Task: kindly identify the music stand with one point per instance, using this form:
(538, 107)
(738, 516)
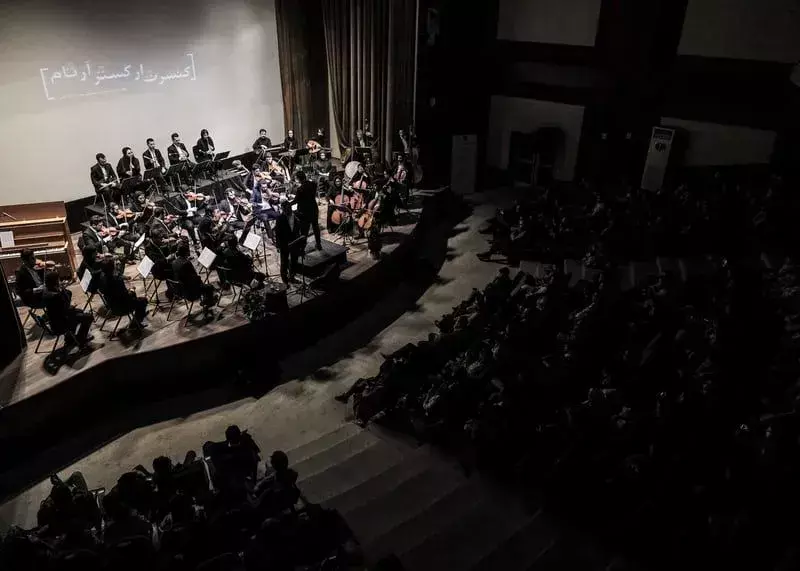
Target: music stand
(302, 241)
(129, 185)
(174, 171)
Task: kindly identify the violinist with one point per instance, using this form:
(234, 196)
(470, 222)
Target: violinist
(63, 315)
(233, 208)
(239, 265)
(93, 235)
(210, 229)
(144, 211)
(91, 261)
(117, 296)
(262, 201)
(122, 220)
(128, 166)
(204, 147)
(277, 173)
(178, 205)
(29, 280)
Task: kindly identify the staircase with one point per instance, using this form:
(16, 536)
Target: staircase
(412, 502)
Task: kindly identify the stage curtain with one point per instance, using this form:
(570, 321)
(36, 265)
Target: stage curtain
(301, 53)
(370, 53)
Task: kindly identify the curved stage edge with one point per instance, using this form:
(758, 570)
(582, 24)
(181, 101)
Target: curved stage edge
(150, 375)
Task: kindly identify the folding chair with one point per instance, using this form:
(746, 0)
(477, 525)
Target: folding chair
(178, 295)
(43, 321)
(238, 288)
(115, 313)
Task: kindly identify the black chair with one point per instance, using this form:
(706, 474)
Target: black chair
(56, 330)
(238, 288)
(115, 313)
(178, 294)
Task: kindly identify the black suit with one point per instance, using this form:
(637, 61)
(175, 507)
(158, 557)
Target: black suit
(66, 318)
(118, 297)
(126, 164)
(262, 141)
(26, 281)
(177, 204)
(307, 209)
(90, 237)
(193, 286)
(205, 148)
(101, 174)
(174, 154)
(290, 143)
(286, 234)
(153, 159)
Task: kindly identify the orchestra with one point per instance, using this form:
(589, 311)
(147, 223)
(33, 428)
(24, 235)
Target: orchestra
(265, 185)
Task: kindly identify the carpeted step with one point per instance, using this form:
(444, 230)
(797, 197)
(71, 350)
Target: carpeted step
(333, 450)
(349, 468)
(523, 548)
(322, 442)
(470, 539)
(429, 518)
(411, 464)
(411, 496)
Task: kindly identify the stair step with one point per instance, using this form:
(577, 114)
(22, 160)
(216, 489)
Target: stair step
(337, 452)
(523, 548)
(470, 539)
(322, 442)
(407, 499)
(428, 520)
(410, 465)
(346, 474)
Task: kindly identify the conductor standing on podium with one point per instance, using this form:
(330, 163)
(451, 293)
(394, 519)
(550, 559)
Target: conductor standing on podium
(307, 207)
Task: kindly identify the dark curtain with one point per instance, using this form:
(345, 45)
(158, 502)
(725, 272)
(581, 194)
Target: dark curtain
(370, 55)
(301, 52)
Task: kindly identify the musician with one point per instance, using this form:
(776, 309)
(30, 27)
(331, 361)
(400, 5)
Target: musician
(121, 220)
(118, 297)
(263, 142)
(208, 229)
(290, 143)
(205, 147)
(320, 137)
(277, 172)
(103, 177)
(262, 200)
(159, 247)
(153, 158)
(307, 207)
(144, 211)
(91, 234)
(231, 208)
(128, 165)
(368, 137)
(63, 315)
(405, 142)
(29, 281)
(239, 264)
(177, 152)
(193, 287)
(399, 180)
(362, 140)
(90, 261)
(361, 180)
(287, 231)
(178, 205)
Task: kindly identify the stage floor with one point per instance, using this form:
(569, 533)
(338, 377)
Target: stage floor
(26, 376)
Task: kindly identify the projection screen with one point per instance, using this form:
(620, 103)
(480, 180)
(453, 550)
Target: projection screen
(83, 77)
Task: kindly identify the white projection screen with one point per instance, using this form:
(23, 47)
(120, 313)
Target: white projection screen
(83, 77)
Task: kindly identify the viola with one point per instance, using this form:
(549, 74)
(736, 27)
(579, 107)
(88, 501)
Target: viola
(124, 214)
(195, 196)
(45, 265)
(108, 232)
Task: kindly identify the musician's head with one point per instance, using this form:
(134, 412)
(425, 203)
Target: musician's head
(300, 177)
(268, 157)
(140, 197)
(320, 131)
(127, 152)
(402, 133)
(51, 281)
(230, 193)
(113, 206)
(338, 181)
(96, 221)
(204, 134)
(290, 134)
(262, 132)
(323, 155)
(183, 249)
(176, 138)
(359, 133)
(27, 257)
(151, 144)
(360, 167)
(101, 158)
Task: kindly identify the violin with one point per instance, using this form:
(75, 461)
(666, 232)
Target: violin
(45, 265)
(124, 214)
(108, 232)
(196, 196)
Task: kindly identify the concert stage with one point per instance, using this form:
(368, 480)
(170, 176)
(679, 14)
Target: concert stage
(172, 359)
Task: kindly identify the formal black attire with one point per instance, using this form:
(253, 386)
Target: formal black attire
(126, 164)
(158, 249)
(179, 205)
(208, 233)
(193, 286)
(65, 317)
(205, 149)
(153, 158)
(231, 211)
(101, 174)
(262, 141)
(125, 240)
(118, 298)
(91, 237)
(290, 143)
(308, 210)
(261, 211)
(239, 265)
(175, 155)
(28, 279)
(287, 230)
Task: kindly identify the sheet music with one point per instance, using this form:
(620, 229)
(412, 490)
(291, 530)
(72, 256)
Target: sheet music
(252, 241)
(206, 258)
(139, 242)
(145, 267)
(7, 239)
(86, 279)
